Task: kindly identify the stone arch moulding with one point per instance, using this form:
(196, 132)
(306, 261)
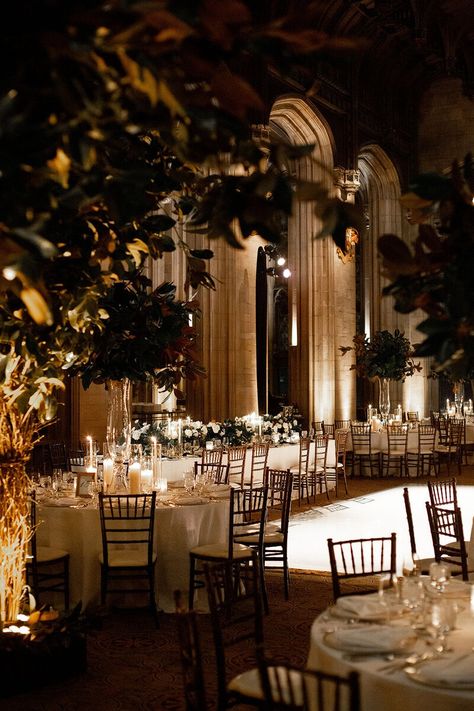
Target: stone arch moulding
(380, 191)
(314, 291)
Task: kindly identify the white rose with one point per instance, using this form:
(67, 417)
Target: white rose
(204, 430)
(188, 432)
(215, 427)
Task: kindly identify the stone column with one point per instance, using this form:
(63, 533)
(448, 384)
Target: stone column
(347, 182)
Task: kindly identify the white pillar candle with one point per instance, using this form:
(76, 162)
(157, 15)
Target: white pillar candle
(146, 477)
(180, 431)
(108, 473)
(134, 472)
(163, 486)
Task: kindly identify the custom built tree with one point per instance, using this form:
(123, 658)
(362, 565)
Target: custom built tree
(119, 121)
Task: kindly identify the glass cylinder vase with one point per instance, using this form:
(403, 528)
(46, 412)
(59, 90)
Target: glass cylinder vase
(384, 398)
(458, 388)
(119, 428)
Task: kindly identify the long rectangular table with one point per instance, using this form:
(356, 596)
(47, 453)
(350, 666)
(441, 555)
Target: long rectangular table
(279, 457)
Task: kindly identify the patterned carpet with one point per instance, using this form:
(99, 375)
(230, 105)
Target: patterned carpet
(133, 666)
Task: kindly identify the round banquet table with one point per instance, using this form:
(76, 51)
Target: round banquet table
(177, 530)
(384, 684)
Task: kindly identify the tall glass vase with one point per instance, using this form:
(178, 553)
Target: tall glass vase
(458, 389)
(384, 398)
(119, 428)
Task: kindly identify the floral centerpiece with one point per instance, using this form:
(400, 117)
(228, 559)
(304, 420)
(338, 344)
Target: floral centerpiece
(281, 428)
(386, 356)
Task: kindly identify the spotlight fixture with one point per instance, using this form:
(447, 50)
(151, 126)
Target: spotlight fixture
(281, 261)
(286, 273)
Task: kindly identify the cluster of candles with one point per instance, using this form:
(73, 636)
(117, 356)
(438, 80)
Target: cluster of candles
(174, 429)
(144, 473)
(466, 407)
(255, 421)
(372, 413)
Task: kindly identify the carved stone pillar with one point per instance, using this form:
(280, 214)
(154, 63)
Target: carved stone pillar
(347, 183)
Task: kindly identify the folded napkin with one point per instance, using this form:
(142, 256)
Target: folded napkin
(190, 500)
(373, 638)
(212, 488)
(62, 501)
(363, 606)
(452, 672)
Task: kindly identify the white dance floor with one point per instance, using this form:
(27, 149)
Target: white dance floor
(374, 514)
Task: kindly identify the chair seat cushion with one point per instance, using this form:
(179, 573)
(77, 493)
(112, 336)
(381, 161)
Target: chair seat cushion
(220, 550)
(248, 684)
(422, 450)
(128, 558)
(44, 554)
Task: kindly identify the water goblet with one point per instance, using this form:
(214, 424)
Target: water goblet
(439, 575)
(189, 481)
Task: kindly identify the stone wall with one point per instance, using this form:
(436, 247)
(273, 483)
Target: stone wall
(445, 126)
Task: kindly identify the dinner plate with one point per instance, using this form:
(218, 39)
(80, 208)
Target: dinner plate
(400, 644)
(419, 675)
(393, 609)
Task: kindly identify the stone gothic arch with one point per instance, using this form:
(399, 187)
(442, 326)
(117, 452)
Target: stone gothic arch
(321, 285)
(380, 193)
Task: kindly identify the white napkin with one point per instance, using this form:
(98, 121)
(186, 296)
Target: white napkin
(216, 488)
(456, 672)
(363, 606)
(371, 638)
(190, 500)
(63, 501)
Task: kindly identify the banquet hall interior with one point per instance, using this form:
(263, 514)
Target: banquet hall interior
(222, 226)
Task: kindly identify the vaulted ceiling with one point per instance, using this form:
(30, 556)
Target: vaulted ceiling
(408, 42)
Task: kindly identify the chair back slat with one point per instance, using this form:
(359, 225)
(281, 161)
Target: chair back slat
(236, 457)
(361, 557)
(288, 688)
(136, 515)
(447, 534)
(191, 657)
(258, 462)
(443, 493)
(235, 606)
(213, 473)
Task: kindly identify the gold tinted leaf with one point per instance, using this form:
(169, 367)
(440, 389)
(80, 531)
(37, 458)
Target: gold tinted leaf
(37, 306)
(59, 167)
(140, 77)
(412, 201)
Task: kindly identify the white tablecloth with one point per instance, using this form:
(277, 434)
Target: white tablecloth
(177, 530)
(393, 690)
(278, 458)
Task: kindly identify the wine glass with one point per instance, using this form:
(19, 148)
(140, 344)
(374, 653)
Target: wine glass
(189, 481)
(439, 575)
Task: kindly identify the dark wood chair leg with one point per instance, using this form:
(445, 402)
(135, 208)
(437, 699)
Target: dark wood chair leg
(192, 573)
